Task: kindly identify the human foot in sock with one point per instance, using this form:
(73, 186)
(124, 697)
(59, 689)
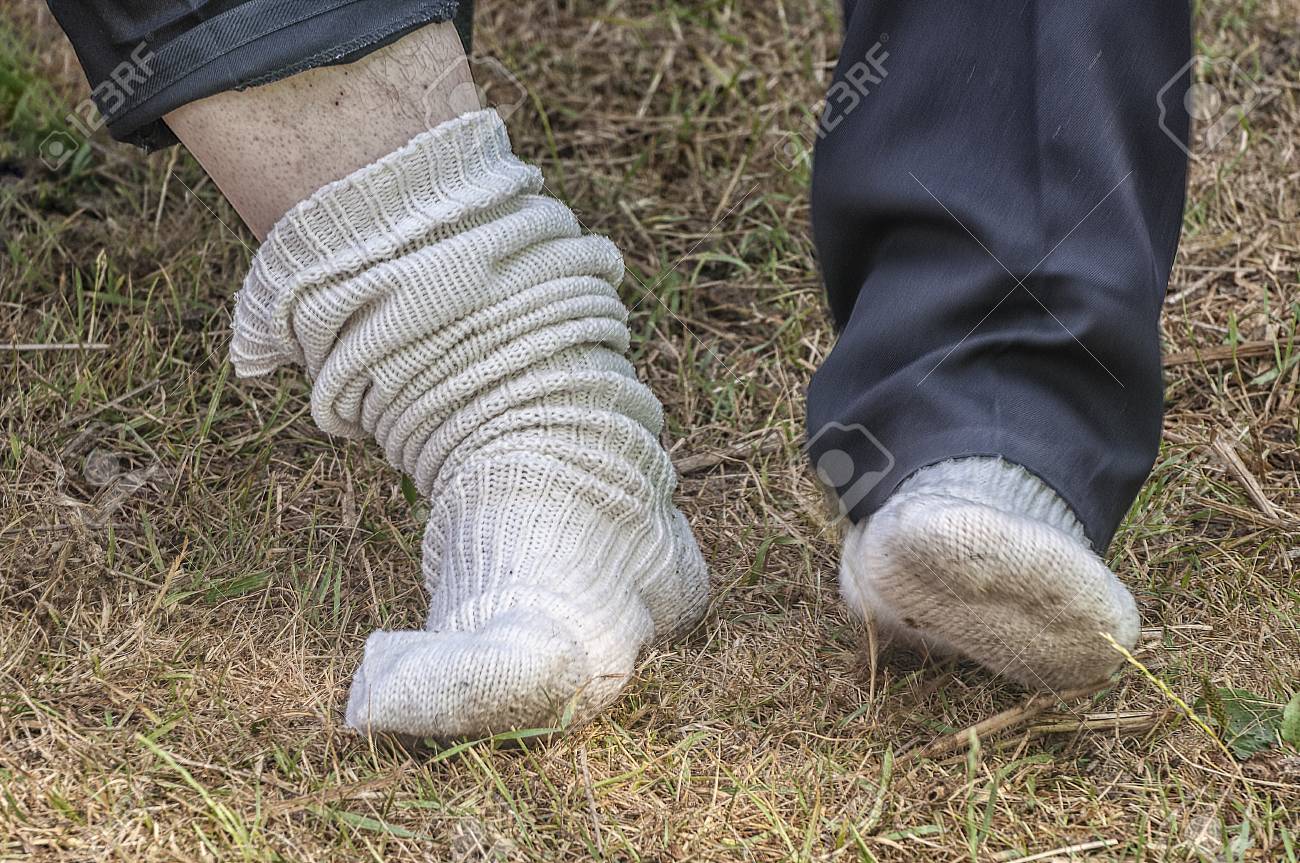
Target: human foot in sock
(445, 308)
(980, 558)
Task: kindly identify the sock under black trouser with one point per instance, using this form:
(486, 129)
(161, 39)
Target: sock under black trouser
(997, 143)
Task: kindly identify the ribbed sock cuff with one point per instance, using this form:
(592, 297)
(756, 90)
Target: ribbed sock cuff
(998, 483)
(427, 188)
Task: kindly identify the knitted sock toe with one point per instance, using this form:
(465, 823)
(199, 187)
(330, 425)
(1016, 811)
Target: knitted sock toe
(980, 558)
(444, 307)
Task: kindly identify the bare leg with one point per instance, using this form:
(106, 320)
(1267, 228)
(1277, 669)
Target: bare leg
(269, 147)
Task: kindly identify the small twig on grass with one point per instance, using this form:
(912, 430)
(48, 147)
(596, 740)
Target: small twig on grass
(591, 800)
(82, 417)
(1220, 353)
(1240, 513)
(1172, 696)
(65, 527)
(1131, 722)
(1010, 718)
(53, 346)
(689, 464)
(1227, 453)
(1067, 850)
(354, 791)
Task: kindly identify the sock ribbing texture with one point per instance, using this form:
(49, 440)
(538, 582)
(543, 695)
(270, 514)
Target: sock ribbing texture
(978, 557)
(443, 306)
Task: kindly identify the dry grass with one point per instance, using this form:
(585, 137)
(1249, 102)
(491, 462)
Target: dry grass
(188, 569)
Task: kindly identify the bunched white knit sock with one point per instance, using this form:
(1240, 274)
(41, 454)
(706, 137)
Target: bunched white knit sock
(444, 307)
(978, 557)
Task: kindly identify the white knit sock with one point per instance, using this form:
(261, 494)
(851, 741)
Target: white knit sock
(444, 307)
(978, 557)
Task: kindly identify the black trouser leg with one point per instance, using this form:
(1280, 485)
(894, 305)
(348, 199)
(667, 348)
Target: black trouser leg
(996, 214)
